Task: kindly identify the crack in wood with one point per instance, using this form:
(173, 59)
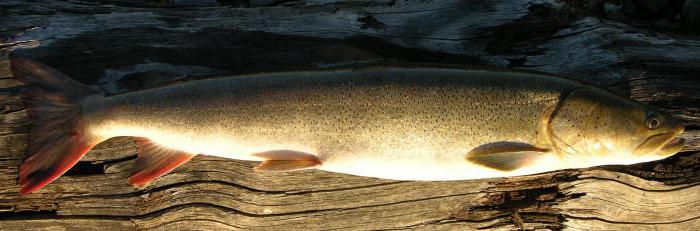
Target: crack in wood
(522, 206)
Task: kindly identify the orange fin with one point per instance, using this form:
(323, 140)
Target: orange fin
(505, 156)
(286, 160)
(57, 137)
(49, 162)
(154, 161)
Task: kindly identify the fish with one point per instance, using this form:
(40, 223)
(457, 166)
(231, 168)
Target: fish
(412, 122)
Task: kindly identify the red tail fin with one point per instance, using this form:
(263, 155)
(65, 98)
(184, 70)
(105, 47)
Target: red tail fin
(57, 139)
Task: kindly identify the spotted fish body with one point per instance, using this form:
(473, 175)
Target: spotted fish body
(396, 123)
(404, 123)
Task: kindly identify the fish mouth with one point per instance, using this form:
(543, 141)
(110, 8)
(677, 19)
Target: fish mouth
(673, 146)
(664, 144)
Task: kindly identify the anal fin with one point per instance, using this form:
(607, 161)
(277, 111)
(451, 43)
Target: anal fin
(286, 160)
(154, 161)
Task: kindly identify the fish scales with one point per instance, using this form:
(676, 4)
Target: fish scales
(357, 122)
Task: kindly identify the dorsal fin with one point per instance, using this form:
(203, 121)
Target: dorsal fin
(155, 160)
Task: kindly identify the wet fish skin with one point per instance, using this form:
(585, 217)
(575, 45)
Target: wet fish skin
(358, 121)
(405, 123)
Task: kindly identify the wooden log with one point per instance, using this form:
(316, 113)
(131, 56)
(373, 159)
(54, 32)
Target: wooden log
(121, 46)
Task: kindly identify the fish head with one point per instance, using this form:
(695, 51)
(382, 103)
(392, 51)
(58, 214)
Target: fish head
(601, 128)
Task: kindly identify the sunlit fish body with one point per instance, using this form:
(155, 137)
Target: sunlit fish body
(405, 123)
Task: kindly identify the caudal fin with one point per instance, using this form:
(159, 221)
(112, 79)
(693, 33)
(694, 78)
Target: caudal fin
(58, 139)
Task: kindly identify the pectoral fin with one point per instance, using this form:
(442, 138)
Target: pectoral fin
(286, 160)
(505, 156)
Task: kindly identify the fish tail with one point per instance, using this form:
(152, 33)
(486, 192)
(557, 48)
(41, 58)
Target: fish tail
(58, 138)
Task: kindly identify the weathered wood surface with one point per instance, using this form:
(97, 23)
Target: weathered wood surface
(121, 47)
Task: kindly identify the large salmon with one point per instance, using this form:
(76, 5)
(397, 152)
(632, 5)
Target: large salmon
(406, 123)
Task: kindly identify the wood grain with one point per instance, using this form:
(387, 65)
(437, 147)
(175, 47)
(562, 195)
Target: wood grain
(120, 47)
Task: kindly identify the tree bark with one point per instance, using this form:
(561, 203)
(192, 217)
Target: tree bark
(121, 46)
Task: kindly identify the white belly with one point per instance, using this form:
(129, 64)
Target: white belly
(411, 162)
(427, 166)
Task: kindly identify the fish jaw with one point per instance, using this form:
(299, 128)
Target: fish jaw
(673, 146)
(655, 142)
(664, 144)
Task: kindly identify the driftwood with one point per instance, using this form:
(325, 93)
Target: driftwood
(121, 46)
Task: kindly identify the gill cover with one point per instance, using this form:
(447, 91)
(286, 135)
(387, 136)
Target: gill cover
(597, 127)
(592, 123)
(569, 120)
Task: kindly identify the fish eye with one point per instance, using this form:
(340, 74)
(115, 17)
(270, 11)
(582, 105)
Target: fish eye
(653, 122)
